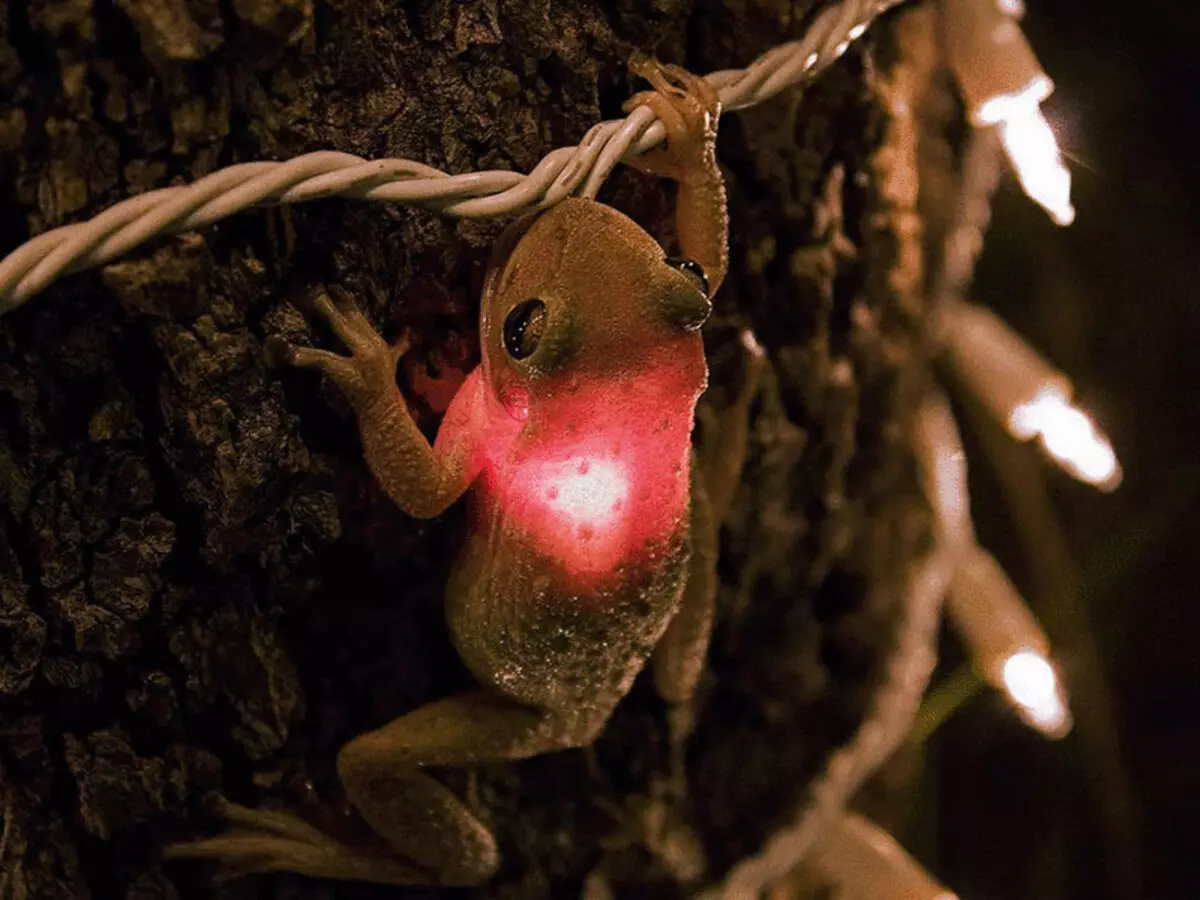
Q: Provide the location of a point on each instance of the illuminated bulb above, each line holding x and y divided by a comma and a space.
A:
1005, 107
1025, 393
1033, 686
1033, 151
1004, 85
1068, 435
1008, 647
992, 61
861, 860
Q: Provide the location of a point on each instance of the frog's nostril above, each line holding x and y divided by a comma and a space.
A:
688, 312
702, 311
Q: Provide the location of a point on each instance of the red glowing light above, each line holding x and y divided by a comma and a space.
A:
587, 476
587, 496
577, 508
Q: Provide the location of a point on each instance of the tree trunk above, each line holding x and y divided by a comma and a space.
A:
201, 587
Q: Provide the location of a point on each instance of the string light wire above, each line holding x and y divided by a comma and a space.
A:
856, 854
963, 242
893, 709
582, 169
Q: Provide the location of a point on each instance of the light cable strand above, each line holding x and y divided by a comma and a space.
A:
894, 707
582, 169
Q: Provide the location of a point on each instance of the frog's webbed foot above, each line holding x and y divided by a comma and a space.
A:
261, 841
368, 373
689, 108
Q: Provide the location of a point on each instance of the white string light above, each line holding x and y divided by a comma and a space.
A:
1033, 151
1025, 393
1003, 85
1068, 435
939, 451
1009, 648
866, 863
33, 266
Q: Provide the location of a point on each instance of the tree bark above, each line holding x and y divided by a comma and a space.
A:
200, 587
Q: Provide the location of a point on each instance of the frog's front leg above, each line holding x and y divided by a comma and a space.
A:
428, 836
422, 480
689, 109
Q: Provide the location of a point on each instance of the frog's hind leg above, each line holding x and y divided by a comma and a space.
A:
716, 471
722, 451
418, 816
423, 834
261, 841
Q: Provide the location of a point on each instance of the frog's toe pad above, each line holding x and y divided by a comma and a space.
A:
688, 108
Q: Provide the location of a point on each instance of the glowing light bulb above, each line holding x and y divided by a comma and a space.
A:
1033, 686
1068, 435
1026, 100
1025, 393
1007, 644
1033, 151
992, 61
1004, 85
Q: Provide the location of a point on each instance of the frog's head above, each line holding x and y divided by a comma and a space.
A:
582, 292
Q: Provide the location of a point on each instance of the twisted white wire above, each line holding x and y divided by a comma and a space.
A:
36, 264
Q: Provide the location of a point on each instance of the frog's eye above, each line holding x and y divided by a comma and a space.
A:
692, 268
523, 328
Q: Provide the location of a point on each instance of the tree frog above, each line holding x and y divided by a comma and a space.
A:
591, 527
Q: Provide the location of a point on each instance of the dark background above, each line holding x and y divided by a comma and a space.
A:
1113, 810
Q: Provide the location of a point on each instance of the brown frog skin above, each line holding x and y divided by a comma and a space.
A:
592, 538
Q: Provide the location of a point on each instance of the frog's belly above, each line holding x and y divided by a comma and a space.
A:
533, 632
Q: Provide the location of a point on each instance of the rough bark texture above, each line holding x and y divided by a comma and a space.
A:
201, 589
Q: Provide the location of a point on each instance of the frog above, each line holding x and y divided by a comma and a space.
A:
591, 532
